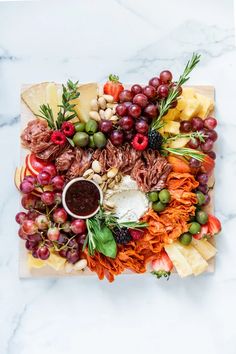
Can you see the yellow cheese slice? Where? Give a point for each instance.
(183, 268)
(172, 127)
(172, 114)
(35, 262)
(83, 102)
(51, 98)
(35, 96)
(204, 247)
(188, 92)
(194, 258)
(179, 143)
(191, 109)
(206, 105)
(55, 261)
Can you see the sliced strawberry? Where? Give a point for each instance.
(203, 232)
(113, 87)
(214, 225)
(162, 266)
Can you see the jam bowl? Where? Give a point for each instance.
(82, 198)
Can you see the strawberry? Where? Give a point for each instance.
(162, 266)
(203, 232)
(136, 234)
(214, 225)
(113, 87)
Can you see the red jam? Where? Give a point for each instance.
(82, 198)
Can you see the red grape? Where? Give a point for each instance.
(62, 240)
(126, 95)
(163, 91)
(194, 163)
(35, 253)
(58, 182)
(136, 89)
(32, 215)
(48, 198)
(106, 126)
(203, 188)
(63, 252)
(42, 222)
(212, 154)
(212, 134)
(51, 169)
(134, 110)
(20, 217)
(151, 111)
(43, 252)
(185, 126)
(126, 123)
(117, 137)
(127, 104)
(59, 215)
(193, 143)
(197, 123)
(141, 126)
(149, 91)
(39, 205)
(121, 110)
(165, 76)
(78, 226)
(26, 187)
(174, 104)
(28, 201)
(73, 244)
(81, 238)
(174, 86)
(202, 178)
(53, 233)
(44, 178)
(58, 197)
(30, 245)
(34, 238)
(141, 100)
(129, 135)
(72, 256)
(210, 123)
(30, 179)
(29, 227)
(66, 226)
(155, 82)
(207, 145)
(22, 234)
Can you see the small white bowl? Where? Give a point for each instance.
(64, 198)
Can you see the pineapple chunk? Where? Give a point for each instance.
(204, 247)
(183, 268)
(191, 109)
(206, 105)
(179, 143)
(194, 258)
(35, 96)
(55, 261)
(172, 114)
(83, 102)
(51, 98)
(172, 127)
(188, 92)
(35, 262)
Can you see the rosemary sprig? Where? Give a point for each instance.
(198, 135)
(186, 152)
(67, 111)
(166, 103)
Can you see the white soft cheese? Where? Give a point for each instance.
(130, 203)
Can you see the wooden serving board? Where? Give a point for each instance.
(24, 270)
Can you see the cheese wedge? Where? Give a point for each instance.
(35, 262)
(179, 143)
(188, 92)
(55, 261)
(205, 248)
(193, 257)
(172, 114)
(191, 109)
(52, 99)
(182, 266)
(83, 102)
(172, 127)
(35, 96)
(206, 105)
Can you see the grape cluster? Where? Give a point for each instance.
(47, 226)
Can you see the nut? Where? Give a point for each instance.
(104, 177)
(100, 91)
(112, 172)
(109, 98)
(111, 105)
(88, 172)
(69, 267)
(102, 113)
(114, 118)
(97, 178)
(111, 184)
(102, 102)
(96, 166)
(118, 178)
(109, 206)
(94, 115)
(80, 265)
(108, 113)
(94, 104)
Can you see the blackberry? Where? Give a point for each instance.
(122, 235)
(155, 140)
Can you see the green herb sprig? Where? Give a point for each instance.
(198, 135)
(186, 152)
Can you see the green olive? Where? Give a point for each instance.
(81, 139)
(201, 217)
(153, 196)
(79, 127)
(158, 206)
(99, 140)
(91, 142)
(194, 228)
(91, 127)
(185, 238)
(164, 196)
(200, 198)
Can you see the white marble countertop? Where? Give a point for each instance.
(87, 40)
